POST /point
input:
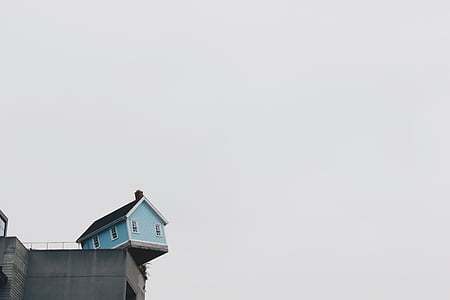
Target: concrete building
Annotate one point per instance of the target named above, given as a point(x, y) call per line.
point(68, 274)
point(13, 262)
point(110, 273)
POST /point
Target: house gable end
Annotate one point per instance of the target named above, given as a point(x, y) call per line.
point(147, 221)
point(151, 206)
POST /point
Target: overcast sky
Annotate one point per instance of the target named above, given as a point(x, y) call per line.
point(299, 149)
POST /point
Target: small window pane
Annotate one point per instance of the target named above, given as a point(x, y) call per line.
point(134, 226)
point(114, 234)
point(158, 230)
point(96, 242)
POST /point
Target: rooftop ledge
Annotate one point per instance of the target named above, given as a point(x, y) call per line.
point(51, 245)
point(141, 251)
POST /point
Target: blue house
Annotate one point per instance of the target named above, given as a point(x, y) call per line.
point(137, 226)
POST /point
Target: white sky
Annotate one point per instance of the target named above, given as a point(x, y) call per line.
point(300, 149)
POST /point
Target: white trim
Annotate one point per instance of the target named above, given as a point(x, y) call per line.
point(139, 241)
point(151, 206)
point(162, 244)
point(93, 242)
point(101, 229)
point(127, 225)
point(111, 233)
point(120, 244)
point(131, 211)
point(134, 222)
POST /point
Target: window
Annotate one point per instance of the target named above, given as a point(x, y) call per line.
point(96, 242)
point(158, 230)
point(113, 231)
point(134, 226)
point(2, 227)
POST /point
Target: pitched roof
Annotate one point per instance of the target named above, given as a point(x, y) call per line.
point(109, 218)
point(144, 199)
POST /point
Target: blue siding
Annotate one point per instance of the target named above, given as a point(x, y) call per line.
point(87, 244)
point(146, 218)
point(105, 238)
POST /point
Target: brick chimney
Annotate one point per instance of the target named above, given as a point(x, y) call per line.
point(138, 194)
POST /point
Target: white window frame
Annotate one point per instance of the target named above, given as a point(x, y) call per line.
point(2, 227)
point(134, 226)
point(93, 242)
point(158, 225)
point(112, 231)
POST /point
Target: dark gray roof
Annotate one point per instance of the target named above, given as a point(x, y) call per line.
point(109, 218)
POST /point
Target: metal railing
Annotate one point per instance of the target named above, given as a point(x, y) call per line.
point(51, 245)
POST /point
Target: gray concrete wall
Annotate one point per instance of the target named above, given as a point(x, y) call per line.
point(13, 259)
point(135, 278)
point(80, 274)
point(67, 274)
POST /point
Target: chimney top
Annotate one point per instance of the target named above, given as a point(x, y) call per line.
point(138, 194)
